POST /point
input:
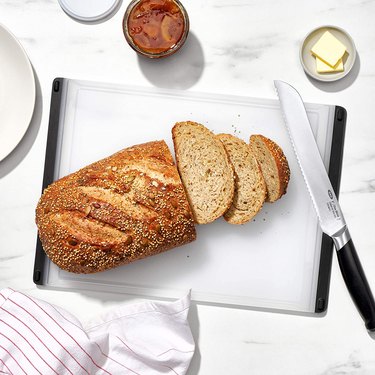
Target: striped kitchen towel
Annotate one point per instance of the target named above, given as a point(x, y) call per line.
point(145, 338)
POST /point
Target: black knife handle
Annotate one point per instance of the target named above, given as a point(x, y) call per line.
point(357, 284)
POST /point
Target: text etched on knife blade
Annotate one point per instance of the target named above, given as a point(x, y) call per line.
point(333, 209)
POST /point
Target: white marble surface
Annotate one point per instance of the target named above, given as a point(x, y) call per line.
point(235, 47)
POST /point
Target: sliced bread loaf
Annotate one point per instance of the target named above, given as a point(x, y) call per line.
point(274, 165)
point(205, 170)
point(249, 187)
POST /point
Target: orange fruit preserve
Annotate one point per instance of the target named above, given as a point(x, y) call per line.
point(156, 26)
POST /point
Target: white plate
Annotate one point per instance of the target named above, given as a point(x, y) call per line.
point(308, 60)
point(17, 92)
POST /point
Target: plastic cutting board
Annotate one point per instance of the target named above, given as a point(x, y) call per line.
point(279, 261)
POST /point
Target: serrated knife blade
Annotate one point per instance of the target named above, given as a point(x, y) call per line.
point(324, 199)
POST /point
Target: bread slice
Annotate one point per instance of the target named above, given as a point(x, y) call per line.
point(273, 164)
point(205, 170)
point(120, 209)
point(249, 187)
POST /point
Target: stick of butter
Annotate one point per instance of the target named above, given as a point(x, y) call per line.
point(328, 49)
point(322, 67)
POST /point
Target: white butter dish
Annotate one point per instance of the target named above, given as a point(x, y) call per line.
point(308, 61)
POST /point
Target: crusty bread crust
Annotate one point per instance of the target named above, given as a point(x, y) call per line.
point(120, 209)
point(250, 188)
point(205, 170)
point(274, 165)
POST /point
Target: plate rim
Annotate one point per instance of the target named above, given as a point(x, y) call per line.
point(28, 67)
point(333, 78)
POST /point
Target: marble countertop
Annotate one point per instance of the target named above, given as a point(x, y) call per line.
point(235, 47)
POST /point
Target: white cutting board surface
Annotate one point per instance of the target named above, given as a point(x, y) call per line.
point(271, 262)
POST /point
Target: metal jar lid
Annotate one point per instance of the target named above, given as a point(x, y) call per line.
point(90, 10)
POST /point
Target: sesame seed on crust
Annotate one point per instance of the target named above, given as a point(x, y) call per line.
point(109, 213)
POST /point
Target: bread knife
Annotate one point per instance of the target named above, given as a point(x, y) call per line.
point(324, 200)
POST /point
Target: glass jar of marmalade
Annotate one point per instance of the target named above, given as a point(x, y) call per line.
point(156, 28)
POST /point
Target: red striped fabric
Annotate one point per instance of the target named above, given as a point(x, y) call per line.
point(140, 339)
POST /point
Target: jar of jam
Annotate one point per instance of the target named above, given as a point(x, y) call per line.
point(156, 28)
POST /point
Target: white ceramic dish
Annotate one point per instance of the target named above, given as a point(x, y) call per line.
point(90, 10)
point(308, 60)
point(17, 92)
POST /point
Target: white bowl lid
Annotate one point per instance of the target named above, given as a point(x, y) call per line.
point(89, 10)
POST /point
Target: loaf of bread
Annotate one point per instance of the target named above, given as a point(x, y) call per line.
point(123, 208)
point(274, 166)
point(205, 170)
point(249, 188)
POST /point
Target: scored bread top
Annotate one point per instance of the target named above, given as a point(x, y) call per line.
point(250, 188)
point(274, 165)
point(205, 170)
point(117, 210)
